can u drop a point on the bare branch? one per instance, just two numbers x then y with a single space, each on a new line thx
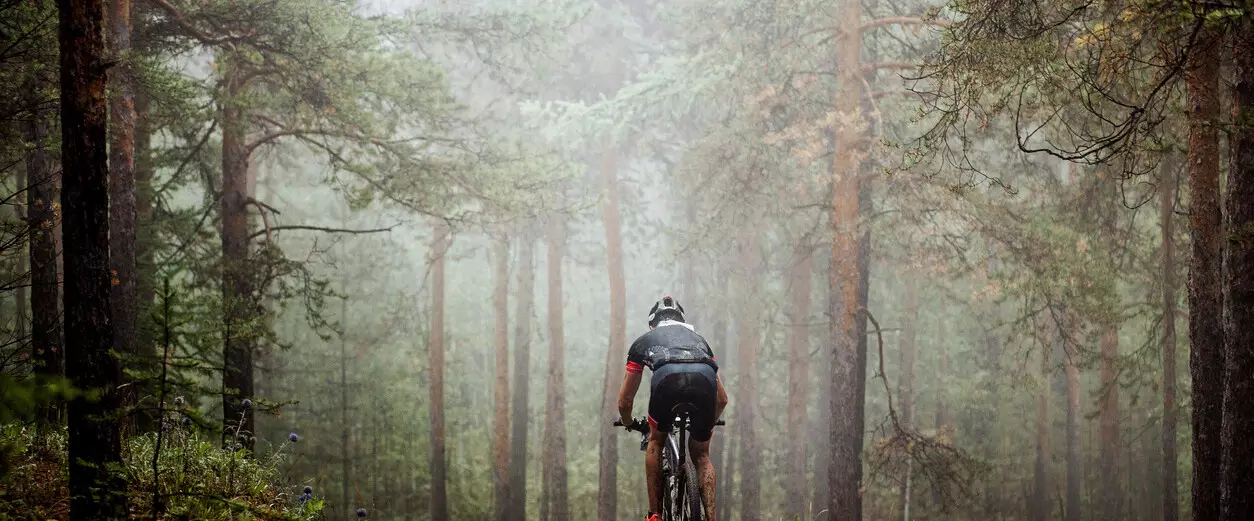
321 229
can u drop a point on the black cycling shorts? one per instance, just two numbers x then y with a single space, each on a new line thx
673 384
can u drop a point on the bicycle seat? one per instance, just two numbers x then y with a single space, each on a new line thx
683 409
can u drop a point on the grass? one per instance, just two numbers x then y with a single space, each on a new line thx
195 479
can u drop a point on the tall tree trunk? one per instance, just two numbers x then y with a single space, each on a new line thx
122 192
848 373
435 346
1111 492
555 425
905 381
346 460
237 352
43 195
145 238
20 298
1167 198
1238 275
1041 508
500 423
522 373
1075 475
1206 351
720 447
607 494
748 329
944 423
95 443
801 271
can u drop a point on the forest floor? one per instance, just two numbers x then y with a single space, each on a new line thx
197 480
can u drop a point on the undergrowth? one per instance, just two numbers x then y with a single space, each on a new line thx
195 480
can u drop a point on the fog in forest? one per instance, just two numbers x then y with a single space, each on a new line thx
335 259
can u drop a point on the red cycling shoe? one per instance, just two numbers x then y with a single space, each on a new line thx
654 517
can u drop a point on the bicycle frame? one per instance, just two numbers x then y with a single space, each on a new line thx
676 443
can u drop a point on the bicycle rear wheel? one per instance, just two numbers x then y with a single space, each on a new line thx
692 503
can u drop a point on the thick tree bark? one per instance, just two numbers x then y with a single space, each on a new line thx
801 271
607 494
848 374
237 349
522 374
748 337
1167 197
42 197
555 501
95 444
122 190
905 380
1238 276
435 345
1075 475
1206 352
500 424
1040 504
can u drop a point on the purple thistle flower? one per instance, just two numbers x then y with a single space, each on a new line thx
246 404
293 437
308 490
361 512
187 421
165 426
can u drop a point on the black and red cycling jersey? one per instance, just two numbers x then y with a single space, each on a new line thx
670 342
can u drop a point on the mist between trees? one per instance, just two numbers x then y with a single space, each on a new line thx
330 259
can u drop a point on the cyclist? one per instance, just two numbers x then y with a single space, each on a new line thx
684 371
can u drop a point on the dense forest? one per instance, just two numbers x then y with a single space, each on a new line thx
332 259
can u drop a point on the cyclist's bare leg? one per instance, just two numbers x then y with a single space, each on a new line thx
700 451
653 467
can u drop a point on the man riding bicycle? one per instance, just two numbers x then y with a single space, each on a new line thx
684 371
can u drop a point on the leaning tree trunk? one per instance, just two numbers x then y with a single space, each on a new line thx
43 195
500 424
1206 355
1167 197
607 494
848 384
522 374
435 346
122 192
748 329
801 270
1236 501
96 490
237 351
555 505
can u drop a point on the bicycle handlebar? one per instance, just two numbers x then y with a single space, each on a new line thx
641 425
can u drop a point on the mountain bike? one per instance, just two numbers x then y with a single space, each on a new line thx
680 494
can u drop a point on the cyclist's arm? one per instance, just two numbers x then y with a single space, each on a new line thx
627 395
720 402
